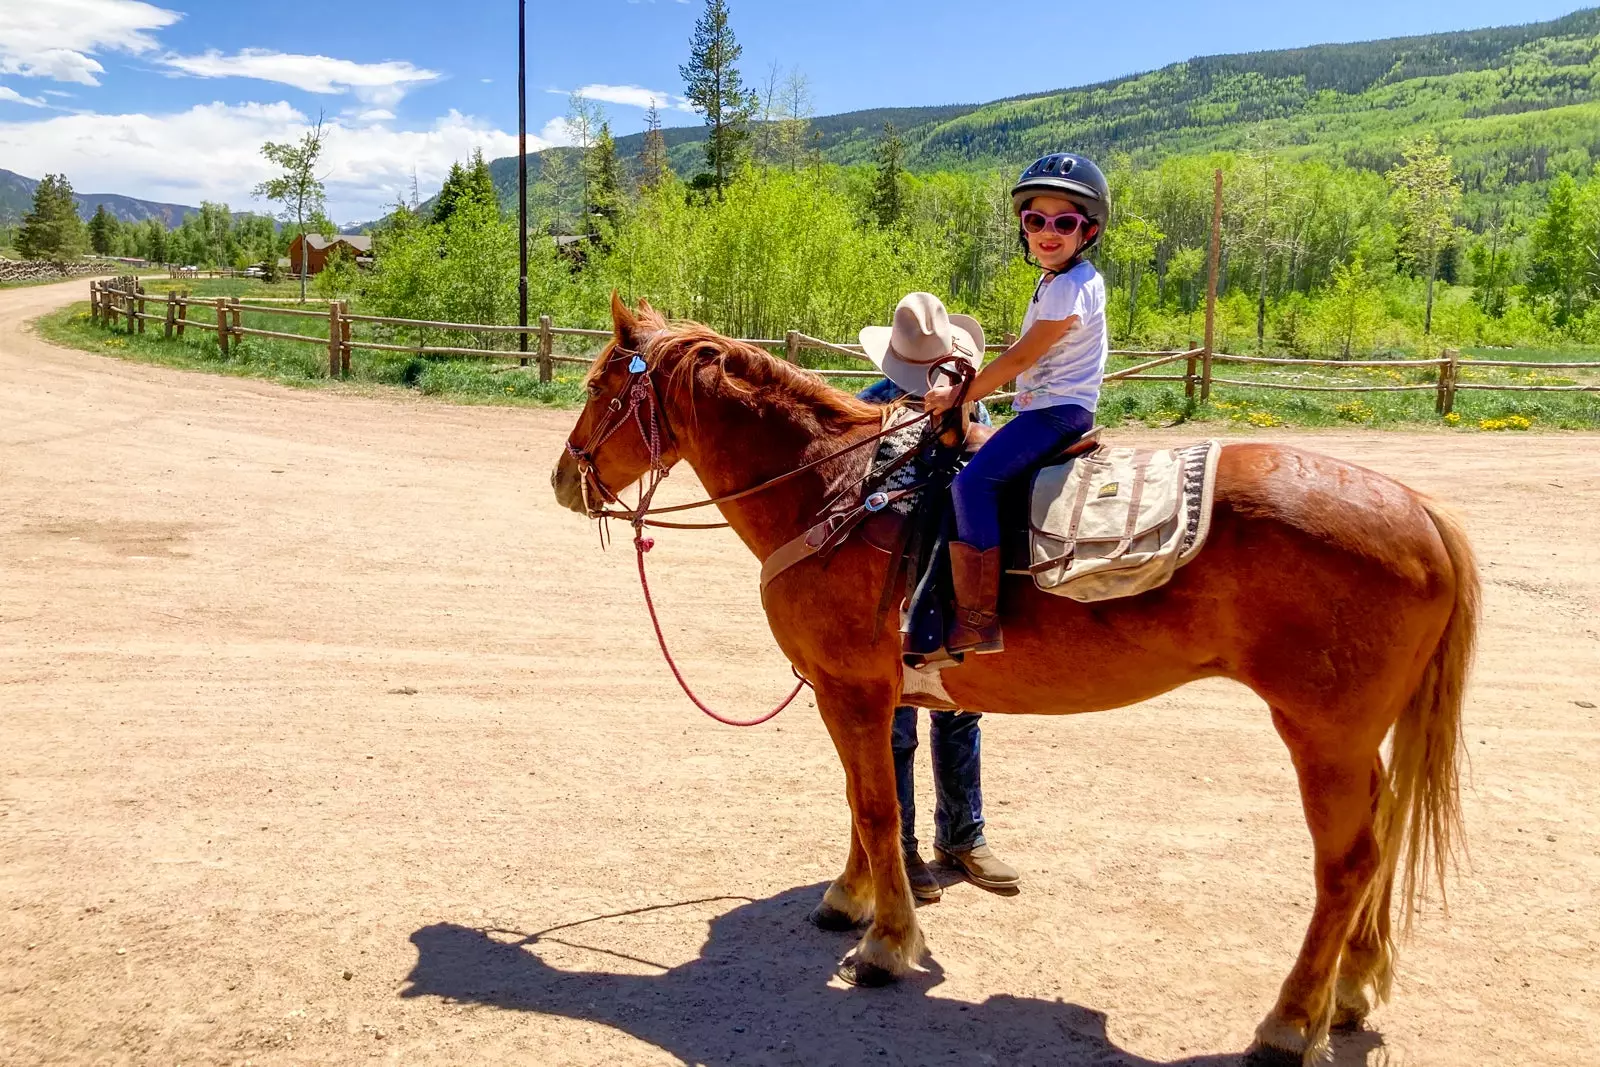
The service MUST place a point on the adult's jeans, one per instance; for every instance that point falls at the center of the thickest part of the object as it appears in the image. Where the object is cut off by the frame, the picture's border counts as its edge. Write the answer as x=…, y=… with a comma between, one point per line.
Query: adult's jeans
x=1024, y=442
x=958, y=812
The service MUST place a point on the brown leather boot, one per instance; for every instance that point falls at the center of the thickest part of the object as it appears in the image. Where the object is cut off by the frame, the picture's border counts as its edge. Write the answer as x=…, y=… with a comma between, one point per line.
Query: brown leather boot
x=976, y=574
x=925, y=885
x=981, y=867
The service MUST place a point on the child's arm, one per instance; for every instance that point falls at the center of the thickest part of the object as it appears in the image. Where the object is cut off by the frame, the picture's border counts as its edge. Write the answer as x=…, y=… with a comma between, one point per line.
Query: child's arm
x=1030, y=347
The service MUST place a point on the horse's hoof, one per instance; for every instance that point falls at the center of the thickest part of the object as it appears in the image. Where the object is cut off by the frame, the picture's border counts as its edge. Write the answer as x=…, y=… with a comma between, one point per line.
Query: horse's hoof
x=824, y=917
x=1348, y=1020
x=869, y=975
x=1267, y=1056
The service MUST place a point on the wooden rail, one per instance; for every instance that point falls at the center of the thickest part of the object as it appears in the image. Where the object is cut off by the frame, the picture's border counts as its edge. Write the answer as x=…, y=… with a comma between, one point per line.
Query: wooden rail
x=108, y=304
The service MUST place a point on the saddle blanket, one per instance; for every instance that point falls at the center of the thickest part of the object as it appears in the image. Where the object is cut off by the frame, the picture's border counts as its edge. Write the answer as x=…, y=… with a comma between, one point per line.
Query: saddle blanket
x=1120, y=521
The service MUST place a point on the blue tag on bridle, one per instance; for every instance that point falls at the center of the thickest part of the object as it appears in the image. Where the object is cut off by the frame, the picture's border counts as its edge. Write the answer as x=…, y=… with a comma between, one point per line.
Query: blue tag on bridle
x=636, y=365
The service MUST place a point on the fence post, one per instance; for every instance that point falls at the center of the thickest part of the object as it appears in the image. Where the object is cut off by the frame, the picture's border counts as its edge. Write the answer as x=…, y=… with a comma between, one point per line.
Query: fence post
x=222, y=325
x=237, y=316
x=344, y=338
x=1211, y=290
x=172, y=315
x=1447, y=374
x=140, y=299
x=547, y=343
x=335, y=339
x=791, y=346
x=183, y=314
x=1188, y=378
x=94, y=302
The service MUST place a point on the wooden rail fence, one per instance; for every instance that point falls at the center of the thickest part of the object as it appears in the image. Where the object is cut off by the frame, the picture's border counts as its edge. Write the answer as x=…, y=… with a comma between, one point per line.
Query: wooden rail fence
x=223, y=316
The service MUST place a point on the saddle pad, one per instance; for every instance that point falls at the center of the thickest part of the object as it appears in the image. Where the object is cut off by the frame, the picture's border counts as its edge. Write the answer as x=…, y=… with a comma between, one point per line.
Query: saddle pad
x=1120, y=521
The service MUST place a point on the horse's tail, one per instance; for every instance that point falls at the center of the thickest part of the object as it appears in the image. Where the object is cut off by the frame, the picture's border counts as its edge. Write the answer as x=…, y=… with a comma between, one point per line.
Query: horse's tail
x=1419, y=800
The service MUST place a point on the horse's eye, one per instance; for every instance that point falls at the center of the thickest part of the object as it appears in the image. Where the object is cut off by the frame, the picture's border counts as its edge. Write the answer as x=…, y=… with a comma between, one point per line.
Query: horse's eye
x=594, y=389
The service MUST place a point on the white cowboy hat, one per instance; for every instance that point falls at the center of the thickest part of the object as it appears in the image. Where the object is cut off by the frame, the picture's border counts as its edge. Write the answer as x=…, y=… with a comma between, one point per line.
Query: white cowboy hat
x=923, y=333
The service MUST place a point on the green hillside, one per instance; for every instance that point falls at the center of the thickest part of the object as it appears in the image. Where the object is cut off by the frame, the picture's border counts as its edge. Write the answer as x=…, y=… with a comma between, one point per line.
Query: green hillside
x=1513, y=104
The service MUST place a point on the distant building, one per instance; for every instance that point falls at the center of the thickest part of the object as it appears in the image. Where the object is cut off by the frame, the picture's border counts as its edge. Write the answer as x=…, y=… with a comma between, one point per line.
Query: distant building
x=318, y=248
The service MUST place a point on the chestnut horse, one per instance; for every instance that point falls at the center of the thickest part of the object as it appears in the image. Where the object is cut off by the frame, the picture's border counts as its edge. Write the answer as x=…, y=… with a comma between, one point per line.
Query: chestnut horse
x=1346, y=601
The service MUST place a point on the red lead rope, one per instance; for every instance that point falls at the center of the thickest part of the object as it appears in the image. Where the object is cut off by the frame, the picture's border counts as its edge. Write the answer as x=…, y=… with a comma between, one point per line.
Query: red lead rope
x=642, y=545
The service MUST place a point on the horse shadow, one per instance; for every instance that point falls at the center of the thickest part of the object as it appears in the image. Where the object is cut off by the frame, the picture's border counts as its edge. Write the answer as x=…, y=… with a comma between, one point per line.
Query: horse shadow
x=758, y=995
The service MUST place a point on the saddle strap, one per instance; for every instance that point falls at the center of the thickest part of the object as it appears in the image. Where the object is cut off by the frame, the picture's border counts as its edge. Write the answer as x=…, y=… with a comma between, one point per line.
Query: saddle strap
x=1141, y=468
x=825, y=536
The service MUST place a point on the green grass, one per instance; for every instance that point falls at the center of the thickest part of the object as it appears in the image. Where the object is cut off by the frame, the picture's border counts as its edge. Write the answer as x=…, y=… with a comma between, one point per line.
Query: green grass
x=1145, y=403
x=306, y=364
x=243, y=288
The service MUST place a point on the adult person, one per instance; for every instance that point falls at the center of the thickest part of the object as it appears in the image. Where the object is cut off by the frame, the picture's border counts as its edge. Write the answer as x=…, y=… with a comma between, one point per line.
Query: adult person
x=924, y=332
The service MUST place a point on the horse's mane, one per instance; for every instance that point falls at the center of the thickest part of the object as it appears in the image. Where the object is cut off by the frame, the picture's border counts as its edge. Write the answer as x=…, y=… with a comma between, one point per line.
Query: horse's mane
x=699, y=360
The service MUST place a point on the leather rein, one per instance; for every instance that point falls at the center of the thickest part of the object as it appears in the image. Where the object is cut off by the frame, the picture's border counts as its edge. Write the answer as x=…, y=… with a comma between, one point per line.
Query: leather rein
x=642, y=408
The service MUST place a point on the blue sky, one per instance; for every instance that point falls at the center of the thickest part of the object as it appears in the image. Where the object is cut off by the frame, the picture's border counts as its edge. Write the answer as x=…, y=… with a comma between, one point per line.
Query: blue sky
x=171, y=100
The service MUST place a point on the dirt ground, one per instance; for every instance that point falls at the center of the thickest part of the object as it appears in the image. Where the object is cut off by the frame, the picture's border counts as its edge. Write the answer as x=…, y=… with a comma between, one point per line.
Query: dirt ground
x=328, y=737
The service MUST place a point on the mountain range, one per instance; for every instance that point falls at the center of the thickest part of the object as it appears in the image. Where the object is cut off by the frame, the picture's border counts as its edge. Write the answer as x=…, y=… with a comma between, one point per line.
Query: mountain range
x=1513, y=104
x=16, y=200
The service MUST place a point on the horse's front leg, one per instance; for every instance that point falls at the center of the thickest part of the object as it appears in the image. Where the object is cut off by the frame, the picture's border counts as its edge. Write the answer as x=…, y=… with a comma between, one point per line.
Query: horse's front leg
x=859, y=716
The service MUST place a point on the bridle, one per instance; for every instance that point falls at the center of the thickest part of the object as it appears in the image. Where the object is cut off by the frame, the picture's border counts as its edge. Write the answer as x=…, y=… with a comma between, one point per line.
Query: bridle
x=642, y=408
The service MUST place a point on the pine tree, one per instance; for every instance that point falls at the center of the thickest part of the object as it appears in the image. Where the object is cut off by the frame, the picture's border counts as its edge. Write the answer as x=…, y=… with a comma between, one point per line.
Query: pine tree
x=450, y=193
x=52, y=230
x=102, y=231
x=713, y=86
x=888, y=194
x=653, y=167
x=480, y=183
x=604, y=184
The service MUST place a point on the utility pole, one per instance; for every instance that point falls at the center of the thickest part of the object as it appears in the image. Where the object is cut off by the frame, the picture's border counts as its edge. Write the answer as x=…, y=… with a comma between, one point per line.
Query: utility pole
x=522, y=177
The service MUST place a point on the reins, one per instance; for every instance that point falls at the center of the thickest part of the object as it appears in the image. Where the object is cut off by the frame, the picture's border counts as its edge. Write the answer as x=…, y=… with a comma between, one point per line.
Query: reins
x=643, y=410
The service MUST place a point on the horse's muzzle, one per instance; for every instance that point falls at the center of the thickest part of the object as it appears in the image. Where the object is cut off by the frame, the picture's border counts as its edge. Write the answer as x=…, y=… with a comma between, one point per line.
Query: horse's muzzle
x=567, y=481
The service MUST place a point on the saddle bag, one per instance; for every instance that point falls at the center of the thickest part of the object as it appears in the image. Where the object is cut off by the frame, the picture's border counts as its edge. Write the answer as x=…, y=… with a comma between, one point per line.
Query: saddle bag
x=1120, y=521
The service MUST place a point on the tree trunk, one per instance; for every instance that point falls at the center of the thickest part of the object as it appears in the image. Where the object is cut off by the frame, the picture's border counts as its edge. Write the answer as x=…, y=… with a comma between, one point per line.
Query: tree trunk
x=1261, y=309
x=300, y=221
x=1133, y=296
x=1427, y=314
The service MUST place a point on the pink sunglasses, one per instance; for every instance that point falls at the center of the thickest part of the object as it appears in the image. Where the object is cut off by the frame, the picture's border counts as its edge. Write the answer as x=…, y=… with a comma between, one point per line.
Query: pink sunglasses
x=1066, y=224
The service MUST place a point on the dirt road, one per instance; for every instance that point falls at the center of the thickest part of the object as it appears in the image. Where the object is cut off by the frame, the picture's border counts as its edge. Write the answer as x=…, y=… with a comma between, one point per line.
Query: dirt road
x=314, y=707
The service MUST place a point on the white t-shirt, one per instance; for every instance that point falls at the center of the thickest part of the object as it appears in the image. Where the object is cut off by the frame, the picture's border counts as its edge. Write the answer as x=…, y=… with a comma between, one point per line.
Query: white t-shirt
x=1070, y=372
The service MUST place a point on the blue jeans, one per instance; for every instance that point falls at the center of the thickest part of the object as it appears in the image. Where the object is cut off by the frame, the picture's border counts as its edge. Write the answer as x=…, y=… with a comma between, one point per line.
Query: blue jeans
x=958, y=814
x=1024, y=442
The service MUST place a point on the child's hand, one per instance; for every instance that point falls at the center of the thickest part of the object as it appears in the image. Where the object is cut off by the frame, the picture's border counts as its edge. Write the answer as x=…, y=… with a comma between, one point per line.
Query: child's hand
x=939, y=400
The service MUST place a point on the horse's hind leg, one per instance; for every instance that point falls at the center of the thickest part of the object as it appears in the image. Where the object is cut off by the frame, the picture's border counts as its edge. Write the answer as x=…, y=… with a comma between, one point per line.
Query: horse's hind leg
x=858, y=718
x=1335, y=789
x=1367, y=966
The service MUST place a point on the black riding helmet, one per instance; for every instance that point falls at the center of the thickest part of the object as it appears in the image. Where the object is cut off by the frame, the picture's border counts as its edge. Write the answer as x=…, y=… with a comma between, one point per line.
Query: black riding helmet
x=1069, y=175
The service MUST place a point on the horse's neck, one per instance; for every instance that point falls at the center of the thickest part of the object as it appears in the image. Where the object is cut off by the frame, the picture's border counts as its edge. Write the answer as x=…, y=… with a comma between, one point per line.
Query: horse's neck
x=738, y=448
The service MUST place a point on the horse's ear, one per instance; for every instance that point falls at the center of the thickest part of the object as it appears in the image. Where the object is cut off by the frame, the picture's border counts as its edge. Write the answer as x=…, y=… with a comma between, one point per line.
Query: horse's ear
x=649, y=317
x=623, y=325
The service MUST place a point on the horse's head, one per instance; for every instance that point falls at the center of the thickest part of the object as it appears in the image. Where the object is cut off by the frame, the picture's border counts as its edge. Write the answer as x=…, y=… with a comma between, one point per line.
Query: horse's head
x=620, y=432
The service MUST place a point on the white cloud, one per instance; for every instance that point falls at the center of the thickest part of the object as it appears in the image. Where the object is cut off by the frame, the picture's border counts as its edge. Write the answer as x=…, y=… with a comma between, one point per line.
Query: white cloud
x=58, y=38
x=555, y=132
x=212, y=152
x=378, y=84
x=7, y=93
x=630, y=96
